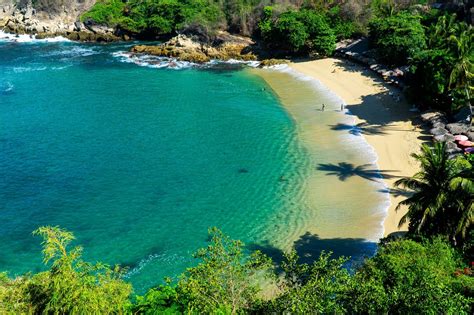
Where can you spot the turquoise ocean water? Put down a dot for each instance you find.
(137, 161)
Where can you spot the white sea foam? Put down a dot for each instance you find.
(71, 52)
(354, 137)
(150, 61)
(61, 67)
(7, 37)
(7, 87)
(163, 258)
(28, 69)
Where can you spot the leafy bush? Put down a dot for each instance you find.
(71, 286)
(107, 12)
(156, 17)
(429, 82)
(406, 277)
(303, 31)
(342, 28)
(397, 38)
(308, 289)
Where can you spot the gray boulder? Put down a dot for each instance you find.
(470, 135)
(444, 138)
(452, 147)
(438, 124)
(438, 131)
(432, 115)
(458, 128)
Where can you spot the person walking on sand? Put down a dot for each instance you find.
(322, 107)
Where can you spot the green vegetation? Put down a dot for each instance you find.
(442, 74)
(404, 277)
(398, 37)
(316, 288)
(152, 18)
(304, 31)
(69, 286)
(156, 18)
(442, 201)
(408, 277)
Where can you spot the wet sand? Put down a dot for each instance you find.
(383, 120)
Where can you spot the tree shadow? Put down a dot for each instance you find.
(377, 110)
(309, 247)
(397, 192)
(344, 170)
(359, 129)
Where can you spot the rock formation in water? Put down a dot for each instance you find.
(48, 18)
(186, 48)
(223, 47)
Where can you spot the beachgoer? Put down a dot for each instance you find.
(342, 107)
(322, 107)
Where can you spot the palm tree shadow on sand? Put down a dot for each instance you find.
(344, 170)
(309, 247)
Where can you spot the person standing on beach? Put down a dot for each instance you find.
(342, 107)
(322, 107)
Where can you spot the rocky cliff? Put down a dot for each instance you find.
(48, 18)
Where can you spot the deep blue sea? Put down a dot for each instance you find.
(138, 162)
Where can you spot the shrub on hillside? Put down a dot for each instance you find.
(304, 31)
(397, 38)
(408, 277)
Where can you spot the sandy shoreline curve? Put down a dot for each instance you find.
(383, 116)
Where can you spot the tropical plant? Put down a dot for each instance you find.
(462, 74)
(301, 32)
(409, 277)
(71, 286)
(317, 288)
(397, 38)
(443, 193)
(226, 279)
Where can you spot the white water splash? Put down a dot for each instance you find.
(150, 61)
(7, 37)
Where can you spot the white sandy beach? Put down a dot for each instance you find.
(385, 120)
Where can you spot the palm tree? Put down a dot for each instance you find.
(461, 75)
(441, 202)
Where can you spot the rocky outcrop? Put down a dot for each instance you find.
(273, 62)
(359, 52)
(186, 48)
(442, 131)
(49, 18)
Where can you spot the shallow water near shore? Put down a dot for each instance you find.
(138, 162)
